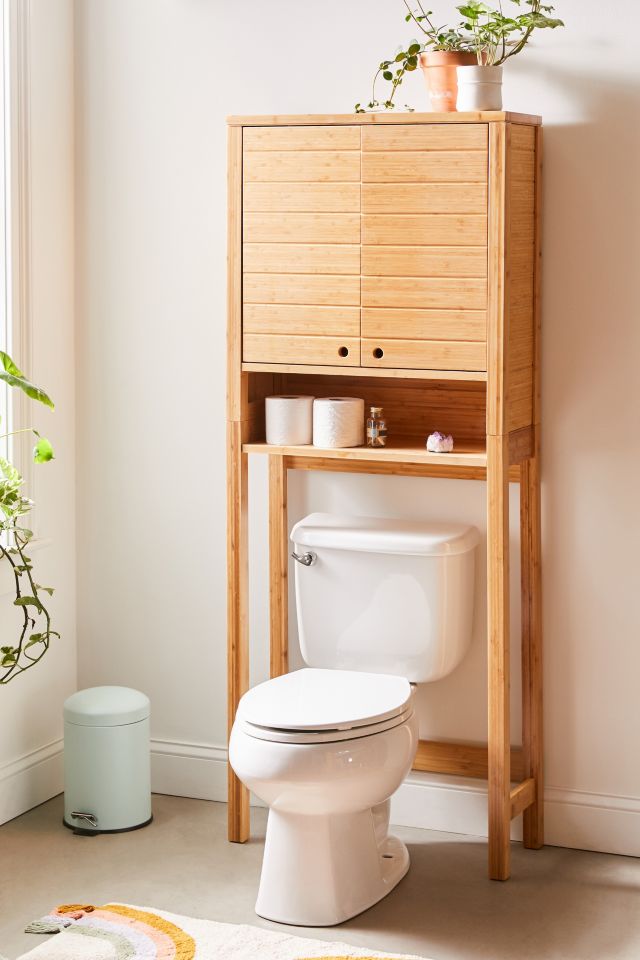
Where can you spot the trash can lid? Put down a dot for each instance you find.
(106, 707)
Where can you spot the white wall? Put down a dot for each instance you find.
(155, 79)
(31, 705)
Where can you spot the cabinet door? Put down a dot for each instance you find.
(424, 246)
(301, 245)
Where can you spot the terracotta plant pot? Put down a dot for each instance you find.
(480, 88)
(440, 74)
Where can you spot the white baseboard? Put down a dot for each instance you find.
(189, 770)
(573, 818)
(30, 780)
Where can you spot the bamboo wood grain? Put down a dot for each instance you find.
(439, 229)
(497, 307)
(537, 274)
(278, 567)
(266, 347)
(449, 293)
(460, 759)
(235, 382)
(531, 594)
(419, 198)
(442, 166)
(302, 138)
(303, 166)
(303, 227)
(424, 324)
(431, 354)
(522, 796)
(365, 119)
(523, 136)
(439, 470)
(301, 197)
(423, 137)
(499, 752)
(301, 320)
(237, 613)
(309, 258)
(469, 376)
(411, 451)
(421, 261)
(388, 468)
(521, 444)
(340, 291)
(523, 164)
(519, 287)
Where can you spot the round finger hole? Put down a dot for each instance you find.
(343, 352)
(378, 353)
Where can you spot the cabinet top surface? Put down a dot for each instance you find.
(319, 119)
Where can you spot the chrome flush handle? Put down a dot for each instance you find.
(306, 559)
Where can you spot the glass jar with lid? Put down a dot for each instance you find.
(376, 428)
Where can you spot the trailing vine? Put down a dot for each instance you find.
(35, 634)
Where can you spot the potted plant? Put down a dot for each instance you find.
(35, 633)
(439, 53)
(495, 38)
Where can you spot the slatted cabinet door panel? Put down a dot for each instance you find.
(301, 249)
(424, 246)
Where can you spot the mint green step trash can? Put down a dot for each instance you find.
(107, 776)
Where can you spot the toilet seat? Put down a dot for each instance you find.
(323, 706)
(273, 735)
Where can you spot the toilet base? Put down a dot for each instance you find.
(322, 870)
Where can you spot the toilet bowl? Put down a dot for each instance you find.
(381, 605)
(327, 779)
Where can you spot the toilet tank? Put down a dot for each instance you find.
(384, 596)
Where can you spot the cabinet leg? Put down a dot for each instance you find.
(278, 566)
(499, 747)
(533, 818)
(237, 613)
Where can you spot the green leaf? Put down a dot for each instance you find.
(10, 471)
(387, 75)
(35, 393)
(48, 590)
(413, 49)
(27, 602)
(43, 451)
(9, 365)
(34, 638)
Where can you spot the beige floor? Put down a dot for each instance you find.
(559, 904)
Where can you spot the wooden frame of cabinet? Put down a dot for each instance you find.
(494, 406)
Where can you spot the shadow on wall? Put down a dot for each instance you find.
(591, 400)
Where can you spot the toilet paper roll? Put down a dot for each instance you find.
(288, 420)
(338, 422)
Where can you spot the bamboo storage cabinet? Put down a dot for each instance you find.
(396, 258)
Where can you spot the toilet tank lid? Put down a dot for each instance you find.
(377, 535)
(106, 707)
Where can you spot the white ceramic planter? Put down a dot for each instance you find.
(479, 88)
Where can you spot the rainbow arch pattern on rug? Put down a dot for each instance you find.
(118, 931)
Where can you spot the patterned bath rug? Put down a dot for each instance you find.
(118, 931)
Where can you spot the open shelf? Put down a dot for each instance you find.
(409, 450)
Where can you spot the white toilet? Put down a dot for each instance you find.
(382, 605)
